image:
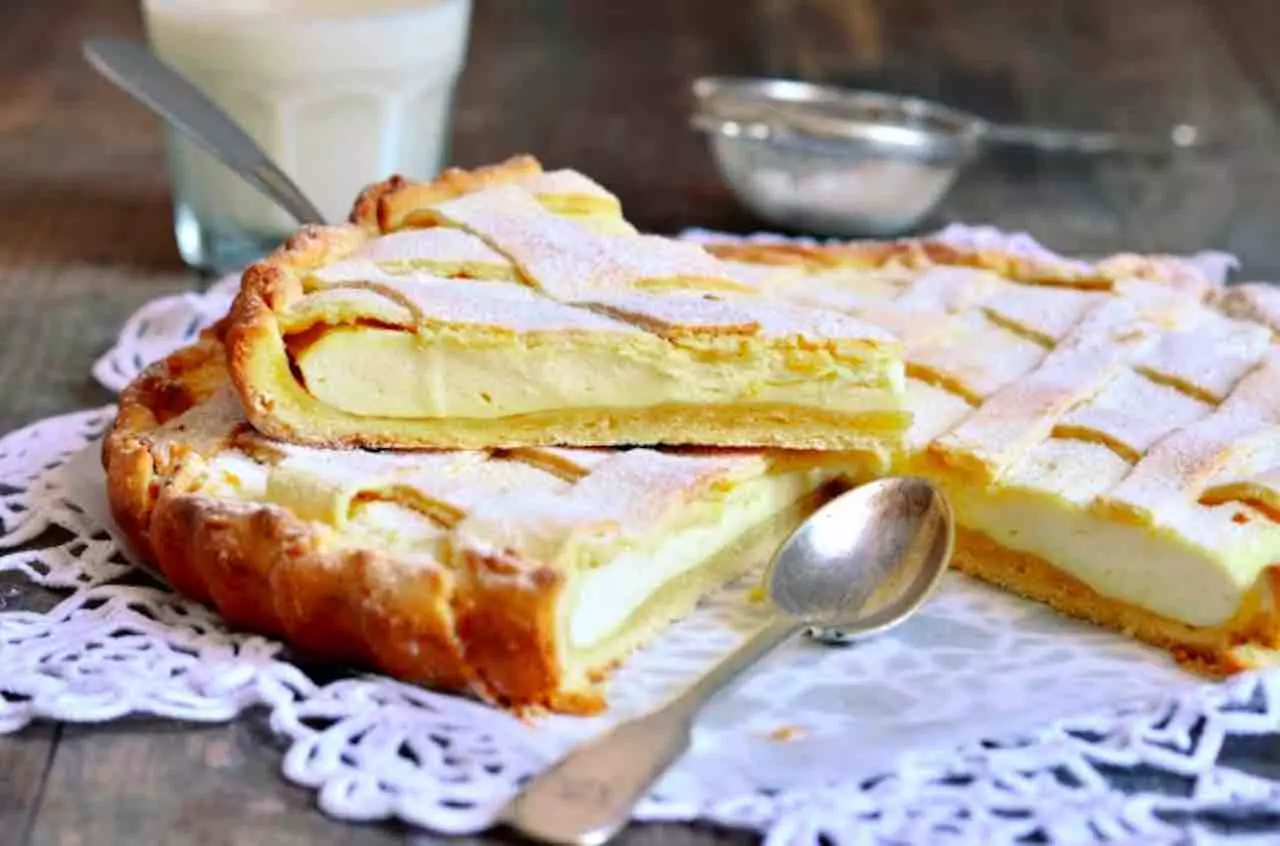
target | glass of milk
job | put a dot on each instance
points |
(341, 93)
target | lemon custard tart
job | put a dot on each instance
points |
(1108, 433)
(510, 306)
(519, 576)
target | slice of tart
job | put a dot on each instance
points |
(520, 576)
(509, 306)
(1108, 433)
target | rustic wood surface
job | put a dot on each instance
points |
(85, 238)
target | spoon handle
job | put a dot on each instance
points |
(588, 796)
(1054, 140)
(137, 71)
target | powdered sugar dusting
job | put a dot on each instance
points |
(1074, 470)
(1135, 412)
(1258, 301)
(496, 305)
(1020, 244)
(1210, 356)
(565, 183)
(966, 349)
(572, 263)
(1025, 412)
(949, 289)
(674, 315)
(435, 245)
(1046, 312)
(631, 496)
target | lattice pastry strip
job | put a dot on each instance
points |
(681, 316)
(947, 290)
(1043, 313)
(435, 301)
(1026, 412)
(934, 410)
(1250, 475)
(530, 500)
(1077, 471)
(1131, 414)
(1208, 358)
(971, 355)
(440, 251)
(630, 498)
(573, 264)
(1177, 469)
(848, 290)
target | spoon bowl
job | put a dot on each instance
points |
(864, 561)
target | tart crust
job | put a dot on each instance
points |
(1132, 396)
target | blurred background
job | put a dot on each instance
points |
(603, 87)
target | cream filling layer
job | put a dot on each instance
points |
(387, 373)
(606, 596)
(1141, 565)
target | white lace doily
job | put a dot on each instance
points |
(961, 726)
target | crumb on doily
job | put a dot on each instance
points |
(786, 734)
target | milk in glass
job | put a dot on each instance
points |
(340, 93)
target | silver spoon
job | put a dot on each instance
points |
(861, 564)
(138, 72)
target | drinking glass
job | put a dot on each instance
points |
(341, 93)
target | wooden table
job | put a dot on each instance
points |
(85, 238)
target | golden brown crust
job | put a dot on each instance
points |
(398, 203)
(507, 613)
(364, 212)
(266, 570)
(164, 390)
(267, 288)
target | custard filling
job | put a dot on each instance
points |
(375, 372)
(610, 579)
(607, 595)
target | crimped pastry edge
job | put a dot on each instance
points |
(266, 570)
